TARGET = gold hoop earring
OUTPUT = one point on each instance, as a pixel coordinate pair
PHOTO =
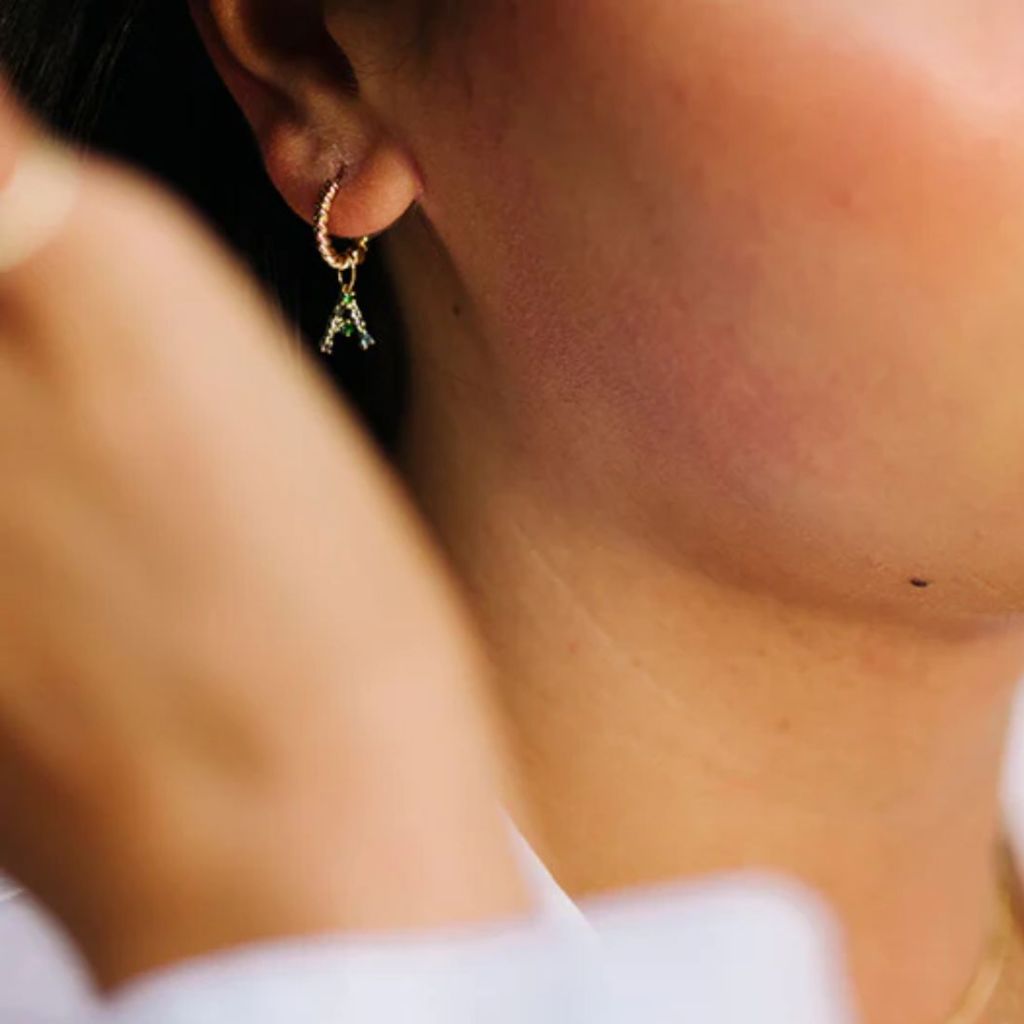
(347, 319)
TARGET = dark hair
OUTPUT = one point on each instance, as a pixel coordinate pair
(131, 78)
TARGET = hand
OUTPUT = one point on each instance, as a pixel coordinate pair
(238, 695)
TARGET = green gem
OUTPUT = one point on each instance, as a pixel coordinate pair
(348, 330)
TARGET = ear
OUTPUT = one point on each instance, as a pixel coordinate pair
(301, 97)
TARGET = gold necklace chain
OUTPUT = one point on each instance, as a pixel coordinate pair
(983, 987)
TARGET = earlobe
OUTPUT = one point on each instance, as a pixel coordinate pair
(375, 193)
(311, 124)
(379, 179)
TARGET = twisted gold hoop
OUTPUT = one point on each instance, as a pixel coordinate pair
(347, 319)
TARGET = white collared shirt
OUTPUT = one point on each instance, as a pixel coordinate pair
(727, 950)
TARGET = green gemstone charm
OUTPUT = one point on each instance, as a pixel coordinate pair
(347, 321)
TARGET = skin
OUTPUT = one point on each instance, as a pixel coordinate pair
(809, 220)
(199, 665)
(715, 316)
(714, 312)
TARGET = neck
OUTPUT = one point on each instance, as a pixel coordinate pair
(667, 724)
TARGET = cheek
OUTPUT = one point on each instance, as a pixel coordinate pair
(878, 200)
(762, 256)
(812, 216)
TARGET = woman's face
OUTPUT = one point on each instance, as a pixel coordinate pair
(755, 268)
